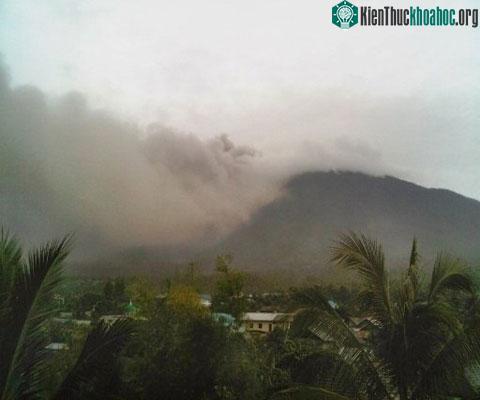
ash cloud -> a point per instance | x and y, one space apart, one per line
67 168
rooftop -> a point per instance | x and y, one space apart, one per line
57 346
265 317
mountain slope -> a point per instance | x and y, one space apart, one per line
296 230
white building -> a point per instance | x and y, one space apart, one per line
263 322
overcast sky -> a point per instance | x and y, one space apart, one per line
273 74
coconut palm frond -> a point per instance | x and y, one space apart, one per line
407 292
319 318
413 274
336 372
410 346
302 392
424 341
449 274
23 346
369 371
95 371
445 374
366 257
326 324
10 257
413 253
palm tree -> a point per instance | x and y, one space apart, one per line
27 284
427 333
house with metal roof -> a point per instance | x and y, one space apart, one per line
263 322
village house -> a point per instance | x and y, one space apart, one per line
265 322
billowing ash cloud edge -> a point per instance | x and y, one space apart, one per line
67 168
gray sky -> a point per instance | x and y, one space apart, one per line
273 74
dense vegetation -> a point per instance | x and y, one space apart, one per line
27 287
136 338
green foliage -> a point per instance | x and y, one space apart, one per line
27 289
307 393
426 334
86 302
425 343
95 374
184 354
366 257
79 295
228 295
185 300
143 292
112 299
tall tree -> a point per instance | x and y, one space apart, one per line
228 294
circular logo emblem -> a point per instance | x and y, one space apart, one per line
345 15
